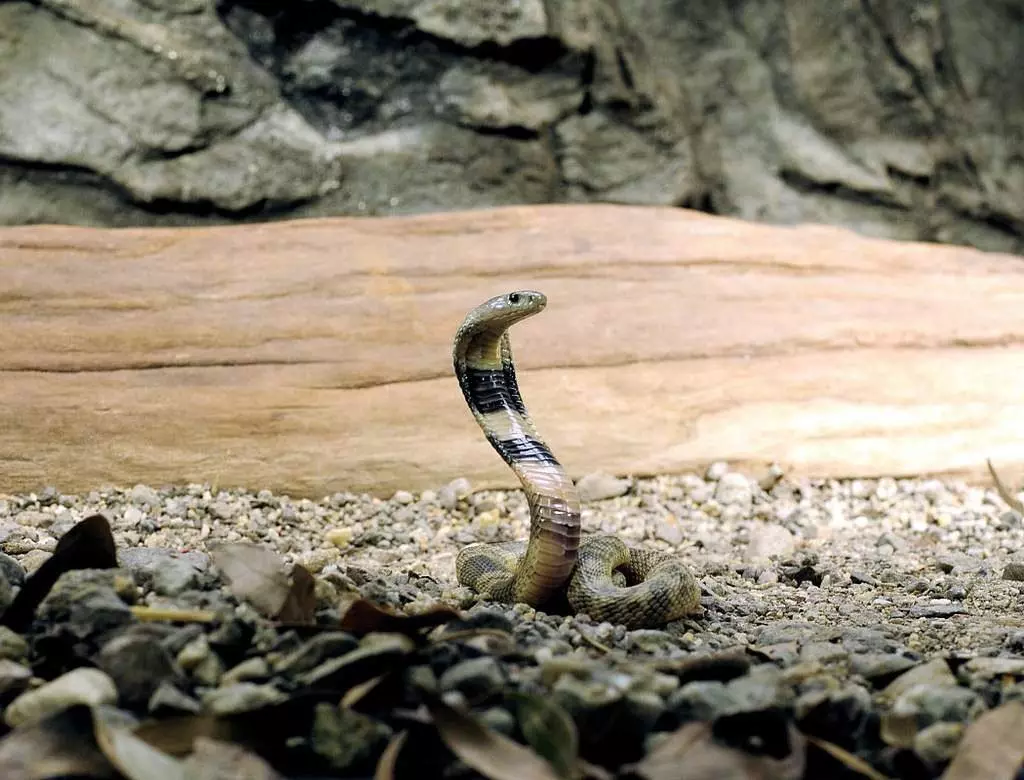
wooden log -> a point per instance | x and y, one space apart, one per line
314 356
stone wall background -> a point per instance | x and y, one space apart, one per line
900 119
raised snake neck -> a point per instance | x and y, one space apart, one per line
599 576
482 357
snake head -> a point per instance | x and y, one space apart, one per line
503 311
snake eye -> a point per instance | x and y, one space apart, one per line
513 298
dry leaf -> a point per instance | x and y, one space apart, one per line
549 730
493 755
255 574
216 760
992 746
132 756
162 614
177 736
848 759
300 603
1005 493
389 758
692 753
87 545
365 617
61 745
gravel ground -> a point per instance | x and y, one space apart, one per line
854 608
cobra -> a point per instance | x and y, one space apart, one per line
599 575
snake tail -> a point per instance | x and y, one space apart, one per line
482 357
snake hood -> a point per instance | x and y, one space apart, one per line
494 316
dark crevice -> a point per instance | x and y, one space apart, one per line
298 22
624 71
807 185
587 77
258 211
698 201
513 132
893 49
200 209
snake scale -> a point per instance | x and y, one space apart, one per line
600 575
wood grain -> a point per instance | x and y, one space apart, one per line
314 356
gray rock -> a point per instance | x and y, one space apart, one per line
86 602
987 668
769 540
199 660
859 639
880 668
14 680
477 679
240 697
79 686
734 490
222 510
783 632
11 570
499 719
668 529
929 704
145 495
6 593
761 688
315 650
450 494
649 640
165 571
785 653
936 744
374 654
12 645
936 610
403 497
33 519
599 486
138 664
716 471
823 653
168 700
860 577
133 517
345 738
255 668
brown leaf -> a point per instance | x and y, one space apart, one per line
1004 492
493 755
389 758
87 545
132 756
692 753
177 736
300 603
365 617
991 747
61 745
216 760
255 574
549 730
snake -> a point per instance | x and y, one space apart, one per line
600 575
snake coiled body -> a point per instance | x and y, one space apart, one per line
600 576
